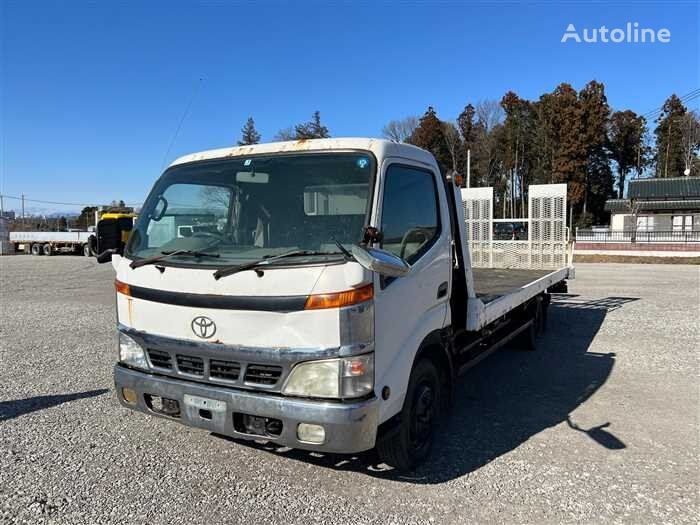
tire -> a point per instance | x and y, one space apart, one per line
527 339
36 249
47 249
544 318
407 445
87 252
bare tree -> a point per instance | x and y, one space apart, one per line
489 113
690 131
285 134
400 130
453 140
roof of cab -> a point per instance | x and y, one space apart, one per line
381 148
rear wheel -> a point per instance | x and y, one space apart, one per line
527 339
48 249
36 249
409 444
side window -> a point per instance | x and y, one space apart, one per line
410 221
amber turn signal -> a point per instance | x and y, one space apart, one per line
339 299
122 288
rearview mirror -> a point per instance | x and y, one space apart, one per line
380 261
254 177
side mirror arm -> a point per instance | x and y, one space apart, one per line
106 256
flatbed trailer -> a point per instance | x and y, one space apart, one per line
50 243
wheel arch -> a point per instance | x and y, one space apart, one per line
435 347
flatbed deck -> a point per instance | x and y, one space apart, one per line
497 291
493 283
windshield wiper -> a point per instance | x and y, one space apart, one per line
342 248
164 255
230 270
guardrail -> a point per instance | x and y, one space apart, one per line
637 236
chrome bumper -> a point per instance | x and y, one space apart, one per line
349 428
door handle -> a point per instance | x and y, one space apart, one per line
442 290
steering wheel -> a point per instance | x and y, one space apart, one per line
422 232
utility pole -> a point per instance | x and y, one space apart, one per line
23 210
668 145
2 206
469 166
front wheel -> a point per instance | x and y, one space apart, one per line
409 444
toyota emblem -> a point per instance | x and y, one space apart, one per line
203 327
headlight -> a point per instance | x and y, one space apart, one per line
332 378
131 353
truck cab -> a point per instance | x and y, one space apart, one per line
307 293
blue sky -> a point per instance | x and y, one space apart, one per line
91 93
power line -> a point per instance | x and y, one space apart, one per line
685 99
56 202
688 97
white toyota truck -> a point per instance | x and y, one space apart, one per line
324 294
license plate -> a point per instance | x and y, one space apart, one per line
205 403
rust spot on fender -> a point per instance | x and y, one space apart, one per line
129 309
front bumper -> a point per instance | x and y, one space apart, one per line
349 427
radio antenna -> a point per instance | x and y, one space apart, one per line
195 92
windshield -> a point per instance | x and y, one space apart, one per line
249 208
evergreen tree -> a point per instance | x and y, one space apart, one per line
519 127
475 141
626 142
312 129
669 138
87 217
569 152
429 136
545 140
249 135
595 115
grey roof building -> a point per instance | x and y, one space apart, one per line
671 204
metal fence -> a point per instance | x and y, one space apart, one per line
637 236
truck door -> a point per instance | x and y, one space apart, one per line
414 223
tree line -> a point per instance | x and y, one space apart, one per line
563 136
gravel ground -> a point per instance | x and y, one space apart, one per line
599 425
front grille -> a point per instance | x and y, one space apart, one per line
263 374
236 373
227 370
190 365
160 359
